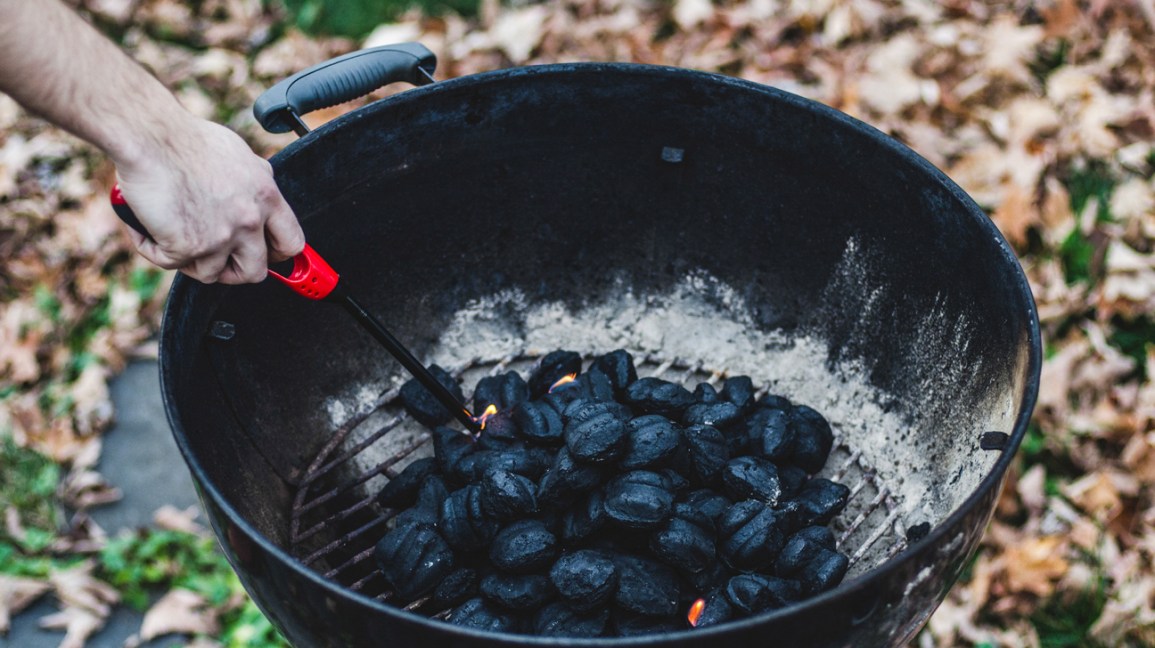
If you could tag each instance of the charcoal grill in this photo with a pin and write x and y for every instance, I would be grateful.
(709, 225)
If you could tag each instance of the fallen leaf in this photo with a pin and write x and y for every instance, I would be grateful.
(16, 594)
(179, 611)
(1034, 564)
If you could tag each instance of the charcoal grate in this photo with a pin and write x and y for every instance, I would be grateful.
(335, 521)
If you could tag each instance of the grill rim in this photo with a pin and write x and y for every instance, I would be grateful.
(184, 291)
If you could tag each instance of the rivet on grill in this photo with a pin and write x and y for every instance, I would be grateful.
(223, 331)
(672, 155)
(994, 440)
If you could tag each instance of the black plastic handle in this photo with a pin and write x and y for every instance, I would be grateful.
(341, 79)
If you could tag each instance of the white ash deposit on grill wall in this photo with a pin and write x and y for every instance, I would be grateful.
(707, 321)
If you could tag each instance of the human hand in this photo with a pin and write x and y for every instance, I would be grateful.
(210, 204)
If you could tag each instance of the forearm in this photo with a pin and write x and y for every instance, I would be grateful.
(58, 66)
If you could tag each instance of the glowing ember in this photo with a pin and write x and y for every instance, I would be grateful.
(696, 611)
(564, 380)
(489, 411)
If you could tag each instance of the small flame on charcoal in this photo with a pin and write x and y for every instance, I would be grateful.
(564, 380)
(489, 411)
(696, 611)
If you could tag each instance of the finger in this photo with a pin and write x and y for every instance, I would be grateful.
(150, 250)
(207, 269)
(246, 264)
(283, 232)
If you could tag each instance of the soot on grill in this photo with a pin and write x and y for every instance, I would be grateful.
(601, 504)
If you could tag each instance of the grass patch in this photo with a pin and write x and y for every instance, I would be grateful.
(149, 561)
(28, 484)
(1132, 338)
(1065, 621)
(356, 18)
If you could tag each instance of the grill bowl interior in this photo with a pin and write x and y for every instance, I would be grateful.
(702, 219)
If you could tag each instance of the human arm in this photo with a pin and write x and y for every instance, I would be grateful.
(210, 204)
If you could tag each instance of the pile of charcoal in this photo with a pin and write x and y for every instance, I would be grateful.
(611, 505)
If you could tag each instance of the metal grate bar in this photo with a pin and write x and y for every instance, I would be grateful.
(358, 558)
(366, 475)
(336, 517)
(873, 538)
(356, 450)
(343, 541)
(870, 508)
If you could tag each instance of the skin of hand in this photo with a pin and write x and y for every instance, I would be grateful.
(210, 204)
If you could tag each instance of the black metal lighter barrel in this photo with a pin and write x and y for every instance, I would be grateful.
(412, 364)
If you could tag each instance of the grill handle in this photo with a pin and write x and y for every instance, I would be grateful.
(345, 78)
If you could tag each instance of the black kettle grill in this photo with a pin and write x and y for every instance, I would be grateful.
(463, 210)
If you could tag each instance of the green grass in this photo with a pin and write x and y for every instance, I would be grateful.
(28, 484)
(1065, 620)
(149, 561)
(1132, 338)
(356, 18)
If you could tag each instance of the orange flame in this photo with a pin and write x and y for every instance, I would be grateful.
(696, 611)
(489, 411)
(564, 380)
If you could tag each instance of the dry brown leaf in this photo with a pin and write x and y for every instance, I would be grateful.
(180, 611)
(1097, 495)
(1015, 215)
(171, 518)
(16, 594)
(1034, 564)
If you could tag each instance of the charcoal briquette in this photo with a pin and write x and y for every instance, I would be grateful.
(503, 391)
(708, 503)
(717, 609)
(819, 501)
(750, 535)
(583, 518)
(566, 479)
(537, 422)
(719, 415)
(595, 386)
(423, 405)
(823, 572)
(638, 499)
(814, 438)
(791, 479)
(523, 547)
(449, 446)
(585, 579)
(705, 393)
(401, 491)
(413, 559)
(754, 593)
(650, 441)
(517, 592)
(674, 481)
(802, 548)
(553, 367)
(774, 401)
(771, 434)
(558, 619)
(646, 586)
(478, 614)
(626, 624)
(686, 540)
(500, 429)
(705, 453)
(739, 390)
(459, 585)
(656, 396)
(519, 461)
(428, 506)
(595, 432)
(618, 367)
(713, 576)
(463, 521)
(507, 496)
(752, 478)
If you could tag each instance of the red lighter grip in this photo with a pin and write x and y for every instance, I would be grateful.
(311, 277)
